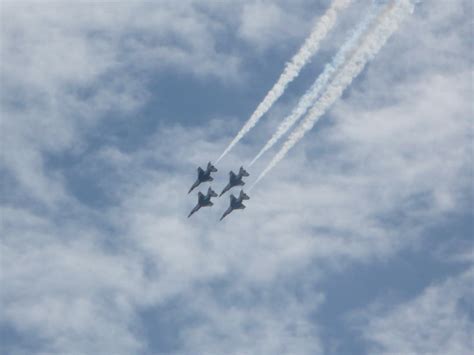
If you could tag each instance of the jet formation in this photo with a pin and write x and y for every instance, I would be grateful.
(205, 200)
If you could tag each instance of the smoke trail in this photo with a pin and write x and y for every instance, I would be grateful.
(321, 82)
(367, 51)
(292, 69)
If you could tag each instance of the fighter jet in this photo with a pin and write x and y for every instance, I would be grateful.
(203, 176)
(235, 180)
(203, 200)
(236, 203)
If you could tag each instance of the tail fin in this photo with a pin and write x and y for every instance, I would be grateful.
(243, 195)
(211, 192)
(243, 172)
(211, 167)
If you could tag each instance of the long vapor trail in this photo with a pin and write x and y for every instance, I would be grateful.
(321, 82)
(292, 69)
(366, 52)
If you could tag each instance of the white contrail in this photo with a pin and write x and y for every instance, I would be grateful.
(292, 69)
(367, 51)
(321, 82)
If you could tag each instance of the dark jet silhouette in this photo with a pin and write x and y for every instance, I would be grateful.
(203, 200)
(204, 176)
(235, 180)
(236, 203)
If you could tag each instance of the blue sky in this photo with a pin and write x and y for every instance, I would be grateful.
(359, 242)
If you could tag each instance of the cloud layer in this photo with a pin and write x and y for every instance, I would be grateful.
(97, 255)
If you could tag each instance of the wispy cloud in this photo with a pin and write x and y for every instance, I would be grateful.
(116, 276)
(372, 43)
(435, 322)
(292, 69)
(321, 82)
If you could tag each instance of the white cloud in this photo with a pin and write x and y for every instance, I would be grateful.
(66, 66)
(63, 289)
(391, 163)
(250, 326)
(435, 322)
(265, 23)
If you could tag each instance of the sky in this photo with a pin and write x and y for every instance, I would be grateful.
(358, 242)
